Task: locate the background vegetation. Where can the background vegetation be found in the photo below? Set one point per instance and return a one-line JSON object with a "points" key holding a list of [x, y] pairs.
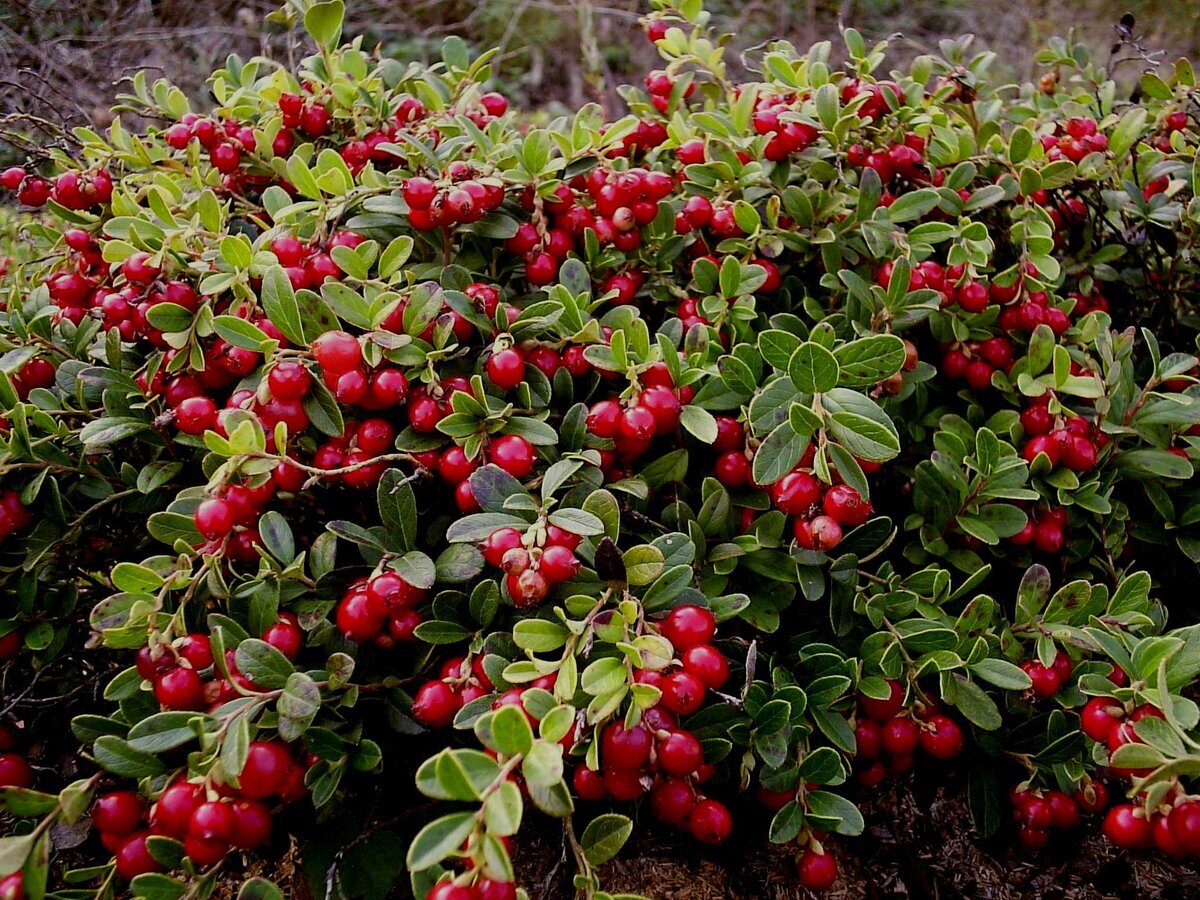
{"points": [[552, 51]]}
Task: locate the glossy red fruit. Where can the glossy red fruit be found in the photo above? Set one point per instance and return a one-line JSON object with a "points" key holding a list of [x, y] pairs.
{"points": [[285, 635], [1093, 798], [513, 454], [558, 564], [134, 859], [683, 693], [884, 710], [588, 785], [1185, 825], [679, 753], [506, 368], [289, 381], [448, 890], [179, 688], [707, 663], [213, 820], [1100, 715], [498, 543], [1126, 826], [664, 406], [796, 493], [14, 771], [435, 704], [900, 737], [943, 738], [265, 771], [172, 812], [214, 518], [203, 851], [868, 739], [687, 626], [672, 801], [846, 506], [710, 822], [817, 871], [733, 469], [625, 748], [337, 352], [1046, 680], [1064, 810], [117, 813], [253, 824]]}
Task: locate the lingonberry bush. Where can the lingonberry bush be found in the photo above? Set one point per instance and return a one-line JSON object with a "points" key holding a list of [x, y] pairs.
{"points": [[747, 450]]}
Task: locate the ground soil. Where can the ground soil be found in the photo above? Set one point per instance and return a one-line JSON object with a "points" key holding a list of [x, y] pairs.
{"points": [[910, 849]]}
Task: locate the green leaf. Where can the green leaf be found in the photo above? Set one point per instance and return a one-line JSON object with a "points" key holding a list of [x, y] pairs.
{"points": [[263, 664], [604, 837], [778, 453], [973, 703], [279, 302], [813, 369], [118, 757], [643, 564], [831, 812], [324, 22], [439, 839], [869, 360]]}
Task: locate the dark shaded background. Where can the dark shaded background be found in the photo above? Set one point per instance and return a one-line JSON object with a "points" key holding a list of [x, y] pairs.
{"points": [[62, 59]]}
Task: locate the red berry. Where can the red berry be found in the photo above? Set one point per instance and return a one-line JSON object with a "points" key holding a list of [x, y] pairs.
{"points": [[846, 506], [134, 859], [337, 352], [1185, 826], [943, 739], [265, 771], [253, 824], [708, 664], [179, 688], [683, 693], [118, 813], [213, 821], [435, 704], [884, 710], [688, 626], [710, 822], [733, 469], [285, 635], [796, 493], [625, 748], [817, 871], [680, 753], [900, 737], [672, 800], [214, 518], [513, 454], [506, 368], [1099, 717], [1127, 827]]}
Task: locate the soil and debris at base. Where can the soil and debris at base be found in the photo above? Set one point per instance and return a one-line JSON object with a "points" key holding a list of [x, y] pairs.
{"points": [[906, 851]]}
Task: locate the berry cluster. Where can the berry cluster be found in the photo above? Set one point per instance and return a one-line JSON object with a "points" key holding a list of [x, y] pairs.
{"points": [[822, 512], [380, 609], [1074, 139], [531, 569], [71, 190], [459, 199], [656, 755], [887, 738], [438, 700], [1048, 679], [1045, 529], [210, 819], [633, 423], [1074, 443]]}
